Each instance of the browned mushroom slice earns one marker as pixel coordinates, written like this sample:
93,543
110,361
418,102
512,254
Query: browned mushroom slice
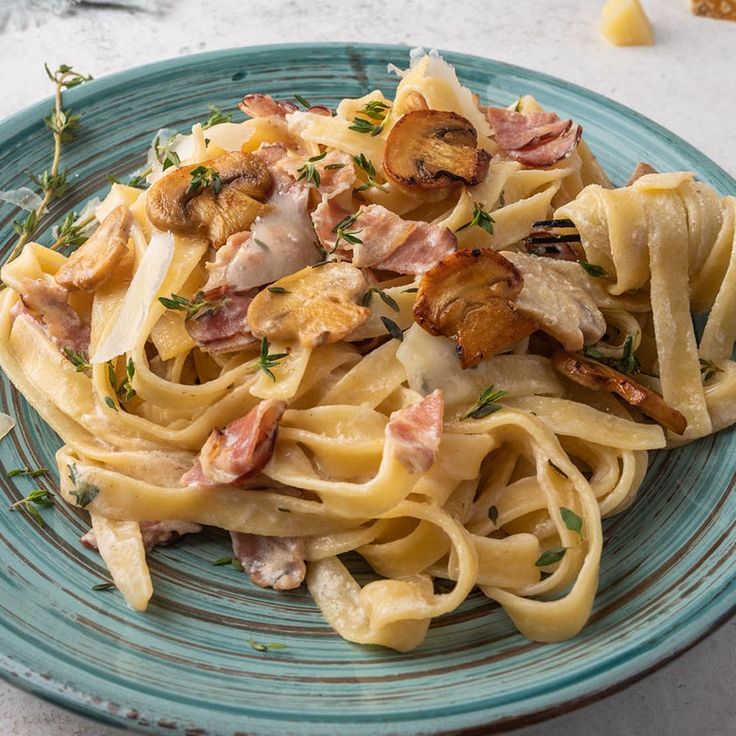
430,149
601,377
244,181
93,264
642,169
468,297
314,306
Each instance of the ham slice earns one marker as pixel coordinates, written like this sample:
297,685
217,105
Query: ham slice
47,301
387,241
240,450
258,105
536,138
271,562
225,329
416,432
154,533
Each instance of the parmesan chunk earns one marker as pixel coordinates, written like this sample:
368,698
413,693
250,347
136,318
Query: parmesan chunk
624,23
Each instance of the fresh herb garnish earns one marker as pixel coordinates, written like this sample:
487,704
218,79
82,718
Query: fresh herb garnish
333,167
197,308
204,177
267,360
551,556
261,646
27,472
110,402
164,155
234,562
260,244
493,515
486,404
393,329
31,502
277,290
309,172
385,298
376,111
343,232
708,369
79,360
411,290
83,492
481,219
365,165
71,232
627,363
137,181
303,102
53,182
103,586
572,521
123,390
216,117
597,272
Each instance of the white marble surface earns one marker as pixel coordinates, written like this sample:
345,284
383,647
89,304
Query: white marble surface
682,82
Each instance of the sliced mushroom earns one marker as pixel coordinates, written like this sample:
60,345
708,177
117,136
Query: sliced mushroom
642,169
468,297
599,377
94,262
245,182
431,149
316,306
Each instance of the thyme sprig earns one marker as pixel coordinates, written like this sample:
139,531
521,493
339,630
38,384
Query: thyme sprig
31,503
343,232
309,171
366,166
385,298
267,360
266,646
597,272
196,308
79,360
164,155
375,112
550,556
204,177
71,234
53,182
627,363
137,181
216,117
480,218
124,389
27,472
486,403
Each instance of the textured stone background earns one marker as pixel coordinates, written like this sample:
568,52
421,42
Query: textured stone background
684,82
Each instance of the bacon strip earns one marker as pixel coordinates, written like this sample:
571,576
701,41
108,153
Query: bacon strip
536,138
240,450
48,301
225,329
271,562
154,533
416,432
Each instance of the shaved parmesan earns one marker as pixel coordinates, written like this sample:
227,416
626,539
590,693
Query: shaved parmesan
149,276
24,197
6,424
624,23
230,136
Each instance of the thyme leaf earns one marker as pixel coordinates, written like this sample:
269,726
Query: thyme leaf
216,117
261,646
36,498
572,521
393,329
196,308
480,218
343,232
309,171
204,177
597,272
550,556
385,298
486,404
267,360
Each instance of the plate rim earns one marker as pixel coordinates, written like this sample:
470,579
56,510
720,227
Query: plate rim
697,627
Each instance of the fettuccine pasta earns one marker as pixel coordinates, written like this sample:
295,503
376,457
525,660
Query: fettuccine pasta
421,330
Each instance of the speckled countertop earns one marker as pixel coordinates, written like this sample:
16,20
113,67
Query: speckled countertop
682,82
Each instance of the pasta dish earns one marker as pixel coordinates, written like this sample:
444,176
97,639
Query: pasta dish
425,330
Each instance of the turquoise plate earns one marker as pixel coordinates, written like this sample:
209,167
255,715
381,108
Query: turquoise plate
186,667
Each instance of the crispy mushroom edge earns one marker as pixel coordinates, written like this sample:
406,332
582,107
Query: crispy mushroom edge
468,297
433,149
93,263
245,183
600,377
314,306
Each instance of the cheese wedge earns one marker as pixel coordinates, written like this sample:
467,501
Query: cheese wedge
624,23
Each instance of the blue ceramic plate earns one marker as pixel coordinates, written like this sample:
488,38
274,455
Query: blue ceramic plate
186,667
